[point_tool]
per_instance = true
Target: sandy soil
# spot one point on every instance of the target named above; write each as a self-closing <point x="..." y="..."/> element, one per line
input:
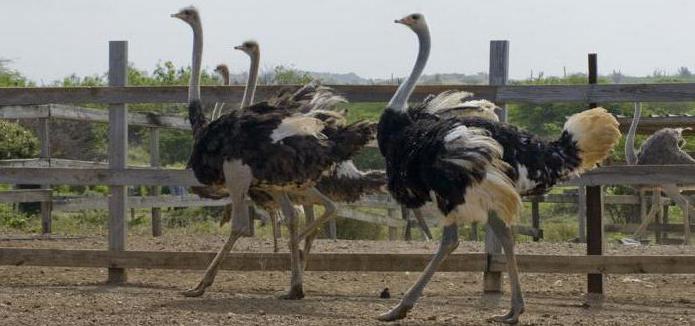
<point x="77" y="296"/>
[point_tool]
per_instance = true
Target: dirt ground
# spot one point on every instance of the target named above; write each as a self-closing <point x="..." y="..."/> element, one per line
<point x="78" y="296"/>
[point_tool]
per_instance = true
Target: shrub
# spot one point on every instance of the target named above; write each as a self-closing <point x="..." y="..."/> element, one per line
<point x="17" y="142"/>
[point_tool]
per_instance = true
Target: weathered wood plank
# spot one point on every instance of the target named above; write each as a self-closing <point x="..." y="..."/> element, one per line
<point x="95" y="176"/>
<point x="118" y="157"/>
<point x="211" y="94"/>
<point x="470" y="262"/>
<point x="72" y="204"/>
<point x="674" y="92"/>
<point x="648" y="125"/>
<point x="632" y="227"/>
<point x="25" y="196"/>
<point x="24" y="112"/>
<point x="58" y="163"/>
<point x="370" y="218"/>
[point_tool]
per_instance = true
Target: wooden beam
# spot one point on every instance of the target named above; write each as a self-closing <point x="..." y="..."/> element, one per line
<point x="59" y="163"/>
<point x="348" y="262"/>
<point x="71" y="204"/>
<point x="498" y="75"/>
<point x="25" y="196"/>
<point x="91" y="176"/>
<point x="370" y="218"/>
<point x="210" y="94"/>
<point x="672" y="92"/>
<point x="118" y="156"/>
<point x="632" y="227"/>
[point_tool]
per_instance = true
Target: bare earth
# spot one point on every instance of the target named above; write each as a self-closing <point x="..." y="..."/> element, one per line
<point x="77" y="296"/>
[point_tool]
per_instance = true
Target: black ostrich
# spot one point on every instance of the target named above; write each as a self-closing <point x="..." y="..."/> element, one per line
<point x="265" y="148"/>
<point x="472" y="166"/>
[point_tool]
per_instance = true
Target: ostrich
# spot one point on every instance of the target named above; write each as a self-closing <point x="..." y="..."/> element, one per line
<point x="346" y="183"/>
<point x="472" y="166"/>
<point x="662" y="148"/>
<point x="223" y="71"/>
<point x="267" y="149"/>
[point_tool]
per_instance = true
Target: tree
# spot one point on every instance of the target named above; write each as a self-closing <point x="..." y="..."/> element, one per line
<point x="290" y="76"/>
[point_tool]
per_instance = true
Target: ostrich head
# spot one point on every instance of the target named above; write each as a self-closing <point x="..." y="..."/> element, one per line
<point x="415" y="21"/>
<point x="249" y="47"/>
<point x="222" y="69"/>
<point x="189" y="15"/>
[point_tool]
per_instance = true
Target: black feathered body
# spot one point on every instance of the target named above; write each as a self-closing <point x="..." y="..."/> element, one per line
<point x="294" y="162"/>
<point x="347" y="184"/>
<point x="433" y="159"/>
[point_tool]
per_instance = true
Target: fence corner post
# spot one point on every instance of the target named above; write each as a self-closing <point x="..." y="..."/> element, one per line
<point x="498" y="75"/>
<point x="118" y="155"/>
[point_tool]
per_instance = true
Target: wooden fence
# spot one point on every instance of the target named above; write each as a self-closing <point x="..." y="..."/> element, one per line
<point x="118" y="175"/>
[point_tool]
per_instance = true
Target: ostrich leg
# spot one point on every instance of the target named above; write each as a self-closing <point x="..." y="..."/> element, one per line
<point x="422" y="223"/>
<point x="308" y="241"/>
<point x="673" y="192"/>
<point x="329" y="212"/>
<point x="275" y="228"/>
<point x="504" y="234"/>
<point x="449" y="242"/>
<point x="656" y="202"/>
<point x="238" y="178"/>
<point x="296" y="289"/>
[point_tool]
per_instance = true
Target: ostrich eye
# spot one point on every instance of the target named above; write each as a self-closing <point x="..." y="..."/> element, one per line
<point x="415" y="17"/>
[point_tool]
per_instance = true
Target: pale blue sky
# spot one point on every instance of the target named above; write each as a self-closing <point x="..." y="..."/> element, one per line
<point x="49" y="39"/>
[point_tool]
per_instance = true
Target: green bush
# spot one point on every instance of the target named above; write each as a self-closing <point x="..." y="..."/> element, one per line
<point x="358" y="230"/>
<point x="17" y="142"/>
<point x="12" y="219"/>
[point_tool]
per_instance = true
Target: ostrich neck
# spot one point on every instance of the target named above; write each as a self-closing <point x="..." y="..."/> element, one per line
<point x="250" y="91"/>
<point x="399" y="101"/>
<point x="194" y="84"/>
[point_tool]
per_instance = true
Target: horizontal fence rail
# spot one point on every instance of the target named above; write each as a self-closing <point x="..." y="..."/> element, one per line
<point x="358" y="262"/>
<point x="603" y="93"/>
<point x="610" y="175"/>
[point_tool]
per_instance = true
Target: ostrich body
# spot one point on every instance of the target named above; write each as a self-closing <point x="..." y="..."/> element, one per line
<point x="264" y="148"/>
<point x="472" y="166"/>
<point x="664" y="147"/>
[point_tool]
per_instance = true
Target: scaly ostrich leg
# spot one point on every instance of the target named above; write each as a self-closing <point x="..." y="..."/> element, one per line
<point x="296" y="291"/>
<point x="328" y="212"/>
<point x="309" y="217"/>
<point x="673" y="192"/>
<point x="504" y="234"/>
<point x="238" y="179"/>
<point x="422" y="223"/>
<point x="449" y="243"/>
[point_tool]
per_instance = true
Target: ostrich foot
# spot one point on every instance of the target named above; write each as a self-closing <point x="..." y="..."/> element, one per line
<point x="398" y="312"/>
<point x="295" y="293"/>
<point x="195" y="292"/>
<point x="512" y="317"/>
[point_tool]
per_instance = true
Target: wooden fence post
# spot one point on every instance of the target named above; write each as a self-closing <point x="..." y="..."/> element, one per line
<point x="45" y="140"/>
<point x="155" y="190"/>
<point x="393" y="231"/>
<point x="581" y="213"/>
<point x="536" y="217"/>
<point x="498" y="75"/>
<point x="118" y="155"/>
<point x="594" y="207"/>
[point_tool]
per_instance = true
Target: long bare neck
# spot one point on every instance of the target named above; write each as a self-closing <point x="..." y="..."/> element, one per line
<point x="194" y="83"/>
<point x="250" y="91"/>
<point x="399" y="101"/>
<point x="225" y="78"/>
<point x="630" y="155"/>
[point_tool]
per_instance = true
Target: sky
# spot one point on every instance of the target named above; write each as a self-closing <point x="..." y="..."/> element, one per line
<point x="50" y="39"/>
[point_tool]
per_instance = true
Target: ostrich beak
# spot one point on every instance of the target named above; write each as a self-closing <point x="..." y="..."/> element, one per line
<point x="239" y="47"/>
<point x="177" y="15"/>
<point x="400" y="21"/>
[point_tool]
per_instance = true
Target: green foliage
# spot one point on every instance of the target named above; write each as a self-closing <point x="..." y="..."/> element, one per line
<point x="354" y="230"/>
<point x="12" y="78"/>
<point x="290" y="76"/>
<point x="16" y="141"/>
<point x="12" y="219"/>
